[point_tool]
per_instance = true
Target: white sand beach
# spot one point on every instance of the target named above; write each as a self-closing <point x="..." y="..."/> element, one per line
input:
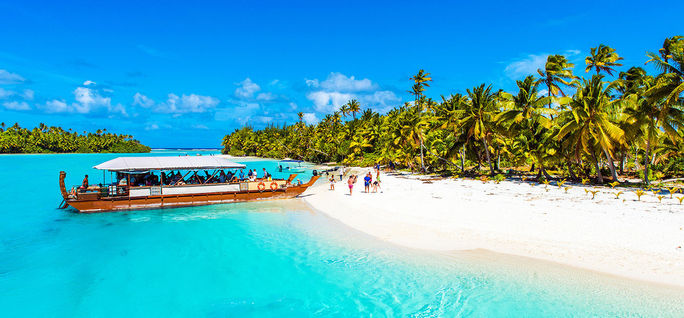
<point x="642" y="240"/>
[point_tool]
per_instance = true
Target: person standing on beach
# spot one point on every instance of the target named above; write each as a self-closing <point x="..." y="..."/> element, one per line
<point x="341" y="173"/>
<point x="350" y="182"/>
<point x="367" y="182"/>
<point x="332" y="182"/>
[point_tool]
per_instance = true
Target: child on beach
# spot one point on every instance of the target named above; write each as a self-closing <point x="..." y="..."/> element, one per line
<point x="332" y="182"/>
<point x="376" y="185"/>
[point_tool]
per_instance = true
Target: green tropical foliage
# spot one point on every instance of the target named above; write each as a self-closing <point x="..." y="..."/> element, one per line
<point x="44" y="139"/>
<point x="554" y="124"/>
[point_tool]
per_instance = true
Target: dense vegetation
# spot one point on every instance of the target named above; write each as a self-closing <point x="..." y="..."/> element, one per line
<point x="44" y="139"/>
<point x="580" y="128"/>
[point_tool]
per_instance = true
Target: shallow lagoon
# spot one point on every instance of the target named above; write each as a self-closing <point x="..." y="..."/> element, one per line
<point x="273" y="259"/>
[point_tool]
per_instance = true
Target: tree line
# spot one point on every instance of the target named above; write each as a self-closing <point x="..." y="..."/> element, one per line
<point x="577" y="127"/>
<point x="44" y="139"/>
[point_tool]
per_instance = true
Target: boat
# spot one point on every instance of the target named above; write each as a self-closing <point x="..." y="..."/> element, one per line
<point x="144" y="183"/>
<point x="291" y="165"/>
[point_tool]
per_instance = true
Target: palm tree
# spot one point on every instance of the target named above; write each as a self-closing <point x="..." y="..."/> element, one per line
<point x="649" y="118"/>
<point x="353" y="107"/>
<point x="589" y="125"/>
<point x="344" y="110"/>
<point x="420" y="81"/>
<point x="478" y="117"/>
<point x="525" y="115"/>
<point x="670" y="83"/>
<point x="557" y="71"/>
<point x="602" y="58"/>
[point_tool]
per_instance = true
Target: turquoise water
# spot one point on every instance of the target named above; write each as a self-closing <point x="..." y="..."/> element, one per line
<point x="268" y="259"/>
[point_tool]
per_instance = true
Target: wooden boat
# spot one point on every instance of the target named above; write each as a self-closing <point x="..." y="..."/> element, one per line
<point x="125" y="195"/>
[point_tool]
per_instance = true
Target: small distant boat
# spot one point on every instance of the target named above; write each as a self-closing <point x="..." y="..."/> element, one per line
<point x="129" y="193"/>
<point x="291" y="165"/>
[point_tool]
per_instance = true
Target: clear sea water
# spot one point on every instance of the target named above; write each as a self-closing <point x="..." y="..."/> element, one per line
<point x="268" y="259"/>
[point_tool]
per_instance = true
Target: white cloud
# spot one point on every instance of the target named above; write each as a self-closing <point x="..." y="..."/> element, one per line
<point x="572" y="52"/>
<point x="86" y="83"/>
<point x="312" y="83"/>
<point x="151" y="127"/>
<point x="265" y="97"/>
<point x="310" y="118"/>
<point x="327" y="102"/>
<point x="142" y="100"/>
<point x="527" y="66"/>
<point x="242" y="113"/>
<point x="338" y="89"/>
<point x="340" y="82"/>
<point x="246" y="89"/>
<point x="15" y="105"/>
<point x="55" y="106"/>
<point x="187" y="104"/>
<point x="89" y="99"/>
<point x="4" y="93"/>
<point x="200" y="126"/>
<point x="28" y="94"/>
<point x="10" y="78"/>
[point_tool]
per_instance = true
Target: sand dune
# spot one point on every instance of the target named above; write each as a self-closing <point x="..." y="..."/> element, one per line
<point x="636" y="239"/>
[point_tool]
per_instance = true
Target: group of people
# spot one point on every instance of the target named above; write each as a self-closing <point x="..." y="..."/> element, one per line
<point x="368" y="181"/>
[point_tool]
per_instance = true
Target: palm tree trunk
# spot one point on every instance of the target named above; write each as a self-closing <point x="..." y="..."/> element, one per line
<point x="498" y="159"/>
<point x="636" y="159"/>
<point x="542" y="170"/>
<point x="647" y="159"/>
<point x="611" y="165"/>
<point x="422" y="166"/>
<point x="572" y="173"/>
<point x="463" y="159"/>
<point x="599" y="176"/>
<point x="489" y="159"/>
<point x="623" y="157"/>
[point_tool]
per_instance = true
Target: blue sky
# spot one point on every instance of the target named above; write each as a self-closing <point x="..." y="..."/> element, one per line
<point x="183" y="74"/>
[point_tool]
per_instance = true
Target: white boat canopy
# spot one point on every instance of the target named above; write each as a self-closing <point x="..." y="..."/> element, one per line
<point x="168" y="163"/>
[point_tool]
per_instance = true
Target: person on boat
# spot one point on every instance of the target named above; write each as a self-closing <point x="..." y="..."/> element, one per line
<point x="84" y="184"/>
<point x="249" y="174"/>
<point x="242" y="175"/>
<point x="280" y="168"/>
<point x="222" y="177"/>
<point x="350" y="183"/>
<point x="367" y="182"/>
<point x="266" y="175"/>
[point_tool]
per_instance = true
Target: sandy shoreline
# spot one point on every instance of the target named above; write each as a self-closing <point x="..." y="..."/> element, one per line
<point x="635" y="239"/>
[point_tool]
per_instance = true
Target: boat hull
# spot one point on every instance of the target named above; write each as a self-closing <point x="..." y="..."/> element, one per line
<point x="184" y="200"/>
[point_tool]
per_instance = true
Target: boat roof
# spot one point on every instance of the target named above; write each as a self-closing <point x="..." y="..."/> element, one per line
<point x="168" y="163"/>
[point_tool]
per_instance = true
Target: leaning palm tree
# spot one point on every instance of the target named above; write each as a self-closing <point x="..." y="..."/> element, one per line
<point x="589" y="126"/>
<point x="557" y="71"/>
<point x="602" y="58"/>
